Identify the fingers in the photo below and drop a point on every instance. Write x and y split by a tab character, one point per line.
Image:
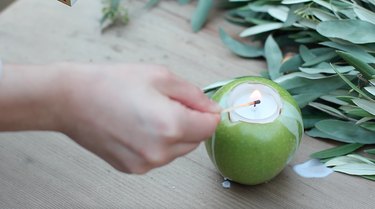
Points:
183	149
199	126
186	93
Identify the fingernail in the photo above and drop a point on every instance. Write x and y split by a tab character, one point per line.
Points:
215	107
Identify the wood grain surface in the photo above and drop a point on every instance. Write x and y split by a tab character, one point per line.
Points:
48	170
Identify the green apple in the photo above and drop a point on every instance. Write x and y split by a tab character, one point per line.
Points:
250	152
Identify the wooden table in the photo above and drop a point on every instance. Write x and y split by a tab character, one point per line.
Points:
48	170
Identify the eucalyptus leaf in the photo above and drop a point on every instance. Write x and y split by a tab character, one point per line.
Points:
355	111
369	126
314	132
369	177
360	65
370	151
326	69
333	99
306	54
322	14
355	31
365	105
321	58
371	90
364	14
342	160
336	151
361	158
292	64
327	5
273	56
354	87
354	50
303	83
356	169
348	131
201	13
294	1
261	29
329	110
291	16
310	118
279	13
305	99
239	48
364	119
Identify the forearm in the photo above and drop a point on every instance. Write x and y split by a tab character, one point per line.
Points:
28	98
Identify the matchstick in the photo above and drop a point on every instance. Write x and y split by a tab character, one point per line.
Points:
241	105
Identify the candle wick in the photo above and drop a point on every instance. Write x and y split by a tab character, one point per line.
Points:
256	102
241	105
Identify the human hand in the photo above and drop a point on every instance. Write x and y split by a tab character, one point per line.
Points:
136	117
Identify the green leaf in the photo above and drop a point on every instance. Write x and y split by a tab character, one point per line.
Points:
348	131
305	99
327	5
326	68
279	12
322	14
306	54
333	99
320	59
292	17
364	14
371	90
364	119
367	71
273	56
303	83
365	105
370	151
355	31
369	126
355	111
342	160
352	49
239	48
356	169
328	109
361	158
310	118
294	1
314	132
354	87
292	64
200	14
336	151
261	29
369	177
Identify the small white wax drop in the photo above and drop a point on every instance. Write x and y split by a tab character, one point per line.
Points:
312	169
226	184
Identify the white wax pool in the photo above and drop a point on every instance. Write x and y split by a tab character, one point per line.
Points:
312	169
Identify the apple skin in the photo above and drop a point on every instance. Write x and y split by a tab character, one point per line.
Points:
254	153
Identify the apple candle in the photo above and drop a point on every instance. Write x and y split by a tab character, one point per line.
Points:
259	132
268	109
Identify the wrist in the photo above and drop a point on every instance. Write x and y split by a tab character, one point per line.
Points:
29	98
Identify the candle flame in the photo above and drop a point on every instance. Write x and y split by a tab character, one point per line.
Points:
256	95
